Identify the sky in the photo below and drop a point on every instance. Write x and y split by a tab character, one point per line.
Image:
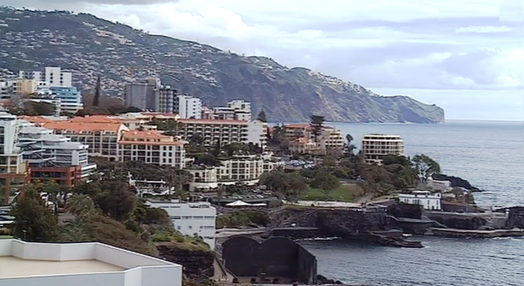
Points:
466	56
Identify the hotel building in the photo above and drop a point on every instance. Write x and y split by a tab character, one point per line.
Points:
329	139
191	218
152	147
102	138
81	264
377	146
224	131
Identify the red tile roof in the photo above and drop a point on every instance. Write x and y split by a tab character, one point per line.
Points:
212	121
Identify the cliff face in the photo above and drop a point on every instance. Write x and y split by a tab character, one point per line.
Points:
196	264
90	46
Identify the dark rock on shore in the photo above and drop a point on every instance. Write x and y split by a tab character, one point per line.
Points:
459	221
324	280
515	217
456	182
197	264
371	225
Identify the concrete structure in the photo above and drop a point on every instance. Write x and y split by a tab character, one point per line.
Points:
70	98
13	169
166	100
377	146
191	218
225	131
143	94
152	147
188	107
439	185
423	198
81	264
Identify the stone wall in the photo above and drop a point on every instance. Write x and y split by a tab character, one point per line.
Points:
196	264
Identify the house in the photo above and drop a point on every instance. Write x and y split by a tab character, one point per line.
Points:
424	198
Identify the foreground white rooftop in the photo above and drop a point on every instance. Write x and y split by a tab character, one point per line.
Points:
81	264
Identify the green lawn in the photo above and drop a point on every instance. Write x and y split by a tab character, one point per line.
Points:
5	237
344	193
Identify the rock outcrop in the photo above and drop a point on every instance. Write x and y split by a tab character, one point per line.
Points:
89	46
456	182
197	264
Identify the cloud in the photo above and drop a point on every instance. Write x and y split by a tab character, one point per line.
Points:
483	29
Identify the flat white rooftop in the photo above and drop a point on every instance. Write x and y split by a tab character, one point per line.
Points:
11	266
81	264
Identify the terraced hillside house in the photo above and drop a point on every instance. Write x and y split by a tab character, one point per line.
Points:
377	146
81	264
152	147
102	138
224	131
329	139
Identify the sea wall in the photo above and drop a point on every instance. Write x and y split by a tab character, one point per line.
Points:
515	217
458	220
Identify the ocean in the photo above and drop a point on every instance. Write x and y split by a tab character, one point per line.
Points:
490	155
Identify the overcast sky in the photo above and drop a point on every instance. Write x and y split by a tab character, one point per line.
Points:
455	53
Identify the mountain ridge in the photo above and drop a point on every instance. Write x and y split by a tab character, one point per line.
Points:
89	46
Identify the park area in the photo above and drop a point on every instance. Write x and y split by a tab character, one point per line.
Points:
344	193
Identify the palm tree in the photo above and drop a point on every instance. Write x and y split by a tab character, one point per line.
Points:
81	206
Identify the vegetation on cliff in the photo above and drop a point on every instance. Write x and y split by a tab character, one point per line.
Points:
92	47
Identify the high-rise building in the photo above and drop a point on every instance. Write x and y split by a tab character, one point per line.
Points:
13	169
144	94
53	76
188	107
241	108
377	146
166	100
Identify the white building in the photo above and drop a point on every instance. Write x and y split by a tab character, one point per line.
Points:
188	107
191	218
81	264
377	146
241	108
43	148
423	198
53	76
12	165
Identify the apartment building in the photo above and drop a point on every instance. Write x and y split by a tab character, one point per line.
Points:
53	76
69	97
191	218
143	94
166	100
13	168
246	169
81	264
151	147
224	131
235	110
329	139
102	138
376	146
188	106
55	157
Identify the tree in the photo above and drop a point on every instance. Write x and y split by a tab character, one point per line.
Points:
96	98
288	185
34	221
82	206
262	116
325	183
207	160
425	166
317	122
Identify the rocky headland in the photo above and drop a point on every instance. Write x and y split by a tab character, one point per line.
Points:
89	47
